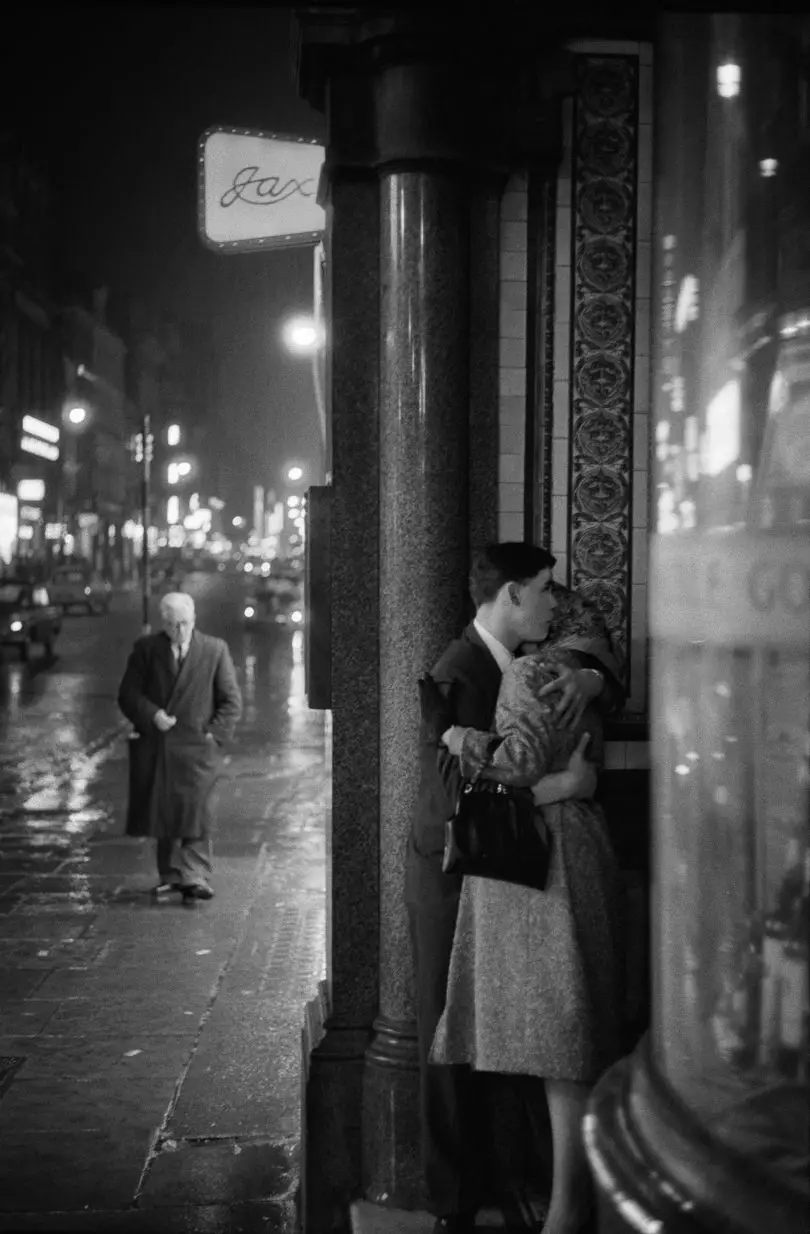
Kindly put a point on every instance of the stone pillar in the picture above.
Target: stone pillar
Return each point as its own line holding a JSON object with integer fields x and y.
{"x": 424, "y": 358}
{"x": 334, "y": 1049}
{"x": 431, "y": 112}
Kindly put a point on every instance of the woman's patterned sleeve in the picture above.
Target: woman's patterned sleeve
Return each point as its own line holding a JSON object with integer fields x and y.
{"x": 523, "y": 746}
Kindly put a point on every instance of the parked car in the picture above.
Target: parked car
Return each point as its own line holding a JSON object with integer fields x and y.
{"x": 27, "y": 616}
{"x": 72, "y": 585}
{"x": 277, "y": 602}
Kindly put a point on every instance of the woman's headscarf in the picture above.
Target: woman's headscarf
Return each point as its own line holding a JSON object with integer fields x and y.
{"x": 578, "y": 625}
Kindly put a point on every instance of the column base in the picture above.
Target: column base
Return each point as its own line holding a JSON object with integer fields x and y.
{"x": 333, "y": 1059}
{"x": 392, "y": 1172}
{"x": 655, "y": 1168}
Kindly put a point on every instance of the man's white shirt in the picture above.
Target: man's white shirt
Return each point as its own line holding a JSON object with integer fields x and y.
{"x": 503, "y": 658}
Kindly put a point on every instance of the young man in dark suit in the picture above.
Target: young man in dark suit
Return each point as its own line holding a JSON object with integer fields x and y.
{"x": 510, "y": 587}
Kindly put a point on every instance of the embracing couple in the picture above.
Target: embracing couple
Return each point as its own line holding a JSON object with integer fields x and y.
{"x": 509, "y": 979}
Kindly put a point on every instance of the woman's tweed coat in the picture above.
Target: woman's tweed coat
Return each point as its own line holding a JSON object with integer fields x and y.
{"x": 534, "y": 975}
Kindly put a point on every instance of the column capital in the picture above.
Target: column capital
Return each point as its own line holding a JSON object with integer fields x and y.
{"x": 432, "y": 90}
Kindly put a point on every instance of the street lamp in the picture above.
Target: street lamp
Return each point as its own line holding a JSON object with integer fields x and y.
{"x": 294, "y": 474}
{"x": 77, "y": 415}
{"x": 302, "y": 334}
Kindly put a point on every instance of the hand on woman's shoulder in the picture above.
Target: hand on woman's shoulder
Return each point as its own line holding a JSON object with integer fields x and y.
{"x": 533, "y": 671}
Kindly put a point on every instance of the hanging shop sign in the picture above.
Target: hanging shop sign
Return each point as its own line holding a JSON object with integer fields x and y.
{"x": 258, "y": 190}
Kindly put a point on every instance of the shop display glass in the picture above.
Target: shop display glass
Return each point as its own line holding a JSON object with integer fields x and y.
{"x": 730, "y": 587}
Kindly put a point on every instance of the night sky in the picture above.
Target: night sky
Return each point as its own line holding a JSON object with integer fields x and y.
{"x": 115, "y": 99}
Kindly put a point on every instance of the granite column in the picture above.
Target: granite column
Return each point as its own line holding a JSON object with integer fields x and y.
{"x": 424, "y": 527}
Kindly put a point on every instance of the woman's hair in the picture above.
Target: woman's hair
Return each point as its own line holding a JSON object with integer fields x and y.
{"x": 511, "y": 562}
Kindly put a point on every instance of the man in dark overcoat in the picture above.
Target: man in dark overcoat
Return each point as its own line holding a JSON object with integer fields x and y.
{"x": 180, "y": 692}
{"x": 504, "y": 587}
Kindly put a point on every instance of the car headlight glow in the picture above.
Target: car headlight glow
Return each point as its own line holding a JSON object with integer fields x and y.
{"x": 296, "y": 616}
{"x": 15, "y": 627}
{"x": 250, "y": 611}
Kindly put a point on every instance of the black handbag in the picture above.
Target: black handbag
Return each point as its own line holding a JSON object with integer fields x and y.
{"x": 497, "y": 832}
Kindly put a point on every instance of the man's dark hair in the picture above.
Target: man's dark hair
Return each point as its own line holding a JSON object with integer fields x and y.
{"x": 512, "y": 562}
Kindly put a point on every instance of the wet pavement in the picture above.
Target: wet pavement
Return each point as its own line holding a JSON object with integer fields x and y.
{"x": 149, "y": 1052}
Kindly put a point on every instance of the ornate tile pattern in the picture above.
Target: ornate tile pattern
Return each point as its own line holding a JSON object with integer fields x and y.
{"x": 603, "y": 260}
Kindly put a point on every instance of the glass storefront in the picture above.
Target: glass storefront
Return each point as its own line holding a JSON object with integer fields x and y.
{"x": 730, "y": 584}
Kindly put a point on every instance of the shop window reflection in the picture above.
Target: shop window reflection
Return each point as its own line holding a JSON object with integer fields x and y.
{"x": 731, "y": 586}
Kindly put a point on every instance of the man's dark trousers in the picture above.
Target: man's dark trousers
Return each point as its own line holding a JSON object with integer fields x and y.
{"x": 448, "y": 1114}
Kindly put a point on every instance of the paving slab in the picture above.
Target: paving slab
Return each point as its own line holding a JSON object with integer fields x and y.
{"x": 49, "y": 1170}
{"x": 206, "y": 1173}
{"x": 99, "y": 1059}
{"x": 26, "y": 1017}
{"x": 48, "y": 1105}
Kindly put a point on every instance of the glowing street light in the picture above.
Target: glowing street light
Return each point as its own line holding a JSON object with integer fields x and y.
{"x": 183, "y": 469}
{"x": 295, "y": 473}
{"x": 173, "y": 435}
{"x": 302, "y": 334}
{"x": 77, "y": 415}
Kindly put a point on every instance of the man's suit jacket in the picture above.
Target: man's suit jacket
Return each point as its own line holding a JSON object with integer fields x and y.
{"x": 469, "y": 663}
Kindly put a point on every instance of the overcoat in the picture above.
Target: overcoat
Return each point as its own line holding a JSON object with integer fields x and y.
{"x": 172, "y": 775}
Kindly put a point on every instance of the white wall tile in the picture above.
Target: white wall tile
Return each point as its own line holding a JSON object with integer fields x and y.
{"x": 564, "y": 189}
{"x": 512, "y": 439}
{"x": 560, "y": 570}
{"x": 562, "y": 407}
{"x": 559, "y": 467}
{"x": 563, "y": 236}
{"x": 513, "y": 265}
{"x": 510, "y": 498}
{"x": 643, "y": 334}
{"x": 641, "y": 384}
{"x": 640, "y": 555}
{"x": 510, "y": 526}
{"x": 645, "y": 153}
{"x": 638, "y": 611}
{"x": 510, "y": 469}
{"x": 643, "y": 268}
{"x": 562, "y": 295}
{"x": 513, "y": 296}
{"x": 640, "y": 517}
{"x": 644, "y": 211}
{"x": 512, "y": 408}
{"x": 512, "y": 352}
{"x": 641, "y": 441}
{"x": 513, "y": 237}
{"x": 513, "y": 324}
{"x": 637, "y": 755}
{"x": 615, "y": 755}
{"x": 562, "y": 349}
{"x": 513, "y": 381}
{"x": 559, "y": 524}
{"x": 514, "y": 205}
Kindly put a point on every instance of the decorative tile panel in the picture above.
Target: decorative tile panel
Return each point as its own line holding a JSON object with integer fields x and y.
{"x": 604, "y": 171}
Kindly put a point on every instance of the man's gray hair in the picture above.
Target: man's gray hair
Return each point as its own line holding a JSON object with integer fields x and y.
{"x": 177, "y": 602}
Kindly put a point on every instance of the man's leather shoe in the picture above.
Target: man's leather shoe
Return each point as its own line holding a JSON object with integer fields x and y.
{"x": 197, "y": 893}
{"x": 164, "y": 888}
{"x": 455, "y": 1223}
